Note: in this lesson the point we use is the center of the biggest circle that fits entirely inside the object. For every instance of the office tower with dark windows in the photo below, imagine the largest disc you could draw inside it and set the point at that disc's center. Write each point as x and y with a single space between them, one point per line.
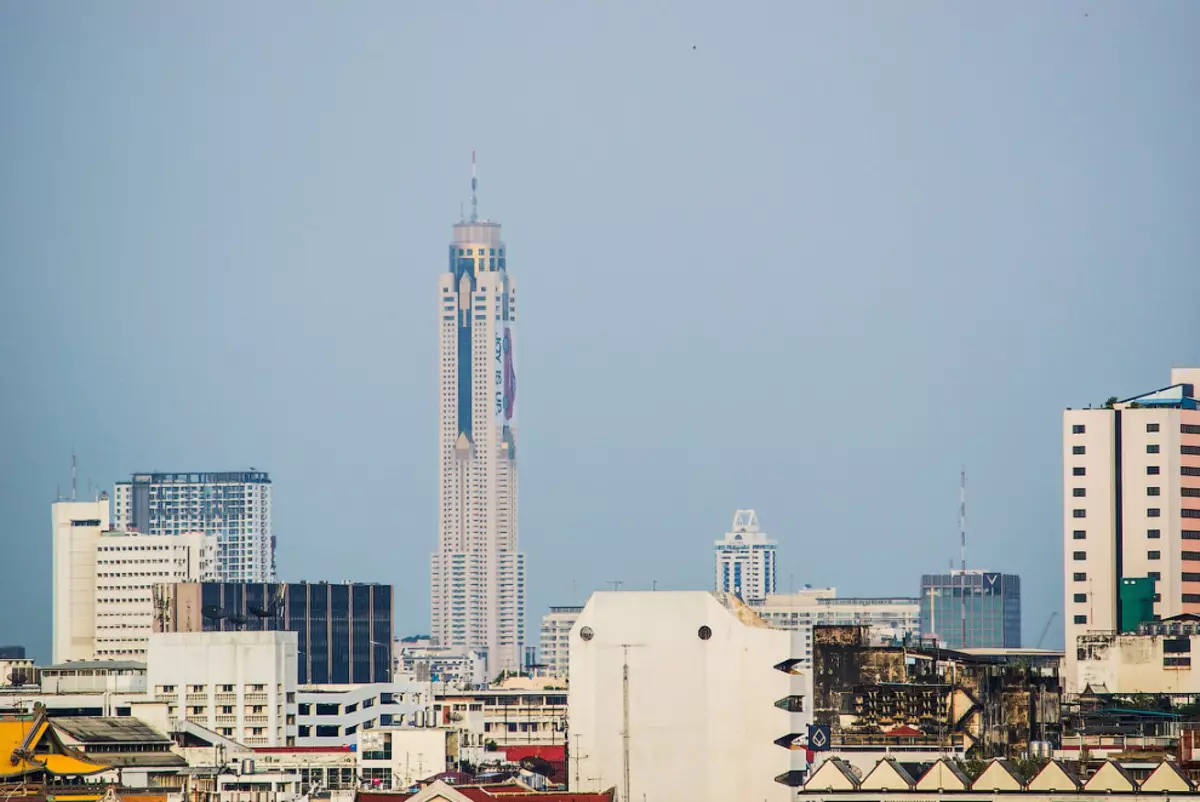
344 630
972 609
234 506
477 573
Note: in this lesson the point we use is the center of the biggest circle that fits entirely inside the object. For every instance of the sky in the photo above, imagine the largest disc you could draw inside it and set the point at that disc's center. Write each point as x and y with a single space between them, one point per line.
810 259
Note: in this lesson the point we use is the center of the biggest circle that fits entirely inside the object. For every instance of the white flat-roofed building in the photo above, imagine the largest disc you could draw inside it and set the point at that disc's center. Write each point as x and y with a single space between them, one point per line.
891 620
241 685
333 715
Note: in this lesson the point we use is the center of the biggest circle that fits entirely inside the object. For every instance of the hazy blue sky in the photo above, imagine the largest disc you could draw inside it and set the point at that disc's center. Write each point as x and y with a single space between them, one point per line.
810 259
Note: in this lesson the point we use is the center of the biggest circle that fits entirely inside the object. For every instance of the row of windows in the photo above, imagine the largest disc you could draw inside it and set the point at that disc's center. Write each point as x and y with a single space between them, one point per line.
1184 428
1151 448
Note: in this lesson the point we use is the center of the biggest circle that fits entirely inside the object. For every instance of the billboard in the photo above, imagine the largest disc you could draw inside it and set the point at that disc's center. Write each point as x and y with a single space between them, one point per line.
506 376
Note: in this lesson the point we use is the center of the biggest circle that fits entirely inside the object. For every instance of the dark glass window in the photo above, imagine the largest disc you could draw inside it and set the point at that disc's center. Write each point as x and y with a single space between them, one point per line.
1152 448
1079 534
327 731
1153 512
1151 427
1081 619
1154 534
1077 471
339 627
1153 555
1153 491
1078 428
1080 597
1078 450
1079 513
1079 555
1152 470
361 659
318 633
1080 577
1079 492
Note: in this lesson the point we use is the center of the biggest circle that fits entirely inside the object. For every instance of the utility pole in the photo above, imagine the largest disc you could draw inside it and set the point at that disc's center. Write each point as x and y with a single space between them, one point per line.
578 757
625 733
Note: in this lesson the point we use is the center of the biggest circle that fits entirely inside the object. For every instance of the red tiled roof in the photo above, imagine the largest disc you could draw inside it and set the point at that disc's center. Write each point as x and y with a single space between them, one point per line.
552 752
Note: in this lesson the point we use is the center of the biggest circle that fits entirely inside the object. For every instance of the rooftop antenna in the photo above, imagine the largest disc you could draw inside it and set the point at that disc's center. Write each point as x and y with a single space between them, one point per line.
73 467
962 553
474 200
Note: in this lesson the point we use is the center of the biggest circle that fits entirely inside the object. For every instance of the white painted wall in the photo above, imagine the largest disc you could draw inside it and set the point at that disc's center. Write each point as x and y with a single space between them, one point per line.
73 578
239 684
688 697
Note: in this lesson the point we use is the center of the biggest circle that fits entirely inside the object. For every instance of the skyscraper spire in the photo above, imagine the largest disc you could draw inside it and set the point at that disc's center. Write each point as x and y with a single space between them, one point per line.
474 200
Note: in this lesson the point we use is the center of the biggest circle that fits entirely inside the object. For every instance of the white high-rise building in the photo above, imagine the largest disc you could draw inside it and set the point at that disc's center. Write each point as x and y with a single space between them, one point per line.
745 560
556 638
478 575
103 581
234 506
1131 511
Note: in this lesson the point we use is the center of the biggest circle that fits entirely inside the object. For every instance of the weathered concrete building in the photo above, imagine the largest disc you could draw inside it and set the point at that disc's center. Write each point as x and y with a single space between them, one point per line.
922 701
1157 659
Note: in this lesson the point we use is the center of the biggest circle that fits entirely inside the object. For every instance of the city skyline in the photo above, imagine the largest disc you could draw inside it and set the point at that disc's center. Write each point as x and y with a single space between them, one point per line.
782 258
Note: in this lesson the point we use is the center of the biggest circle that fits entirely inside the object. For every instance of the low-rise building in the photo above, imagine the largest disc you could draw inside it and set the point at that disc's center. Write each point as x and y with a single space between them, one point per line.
139 755
241 685
504 716
889 619
333 715
398 758
449 666
685 695
1157 659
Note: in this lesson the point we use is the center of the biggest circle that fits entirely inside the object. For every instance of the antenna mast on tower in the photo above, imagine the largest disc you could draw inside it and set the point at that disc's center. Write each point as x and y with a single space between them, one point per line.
474 200
962 553
73 466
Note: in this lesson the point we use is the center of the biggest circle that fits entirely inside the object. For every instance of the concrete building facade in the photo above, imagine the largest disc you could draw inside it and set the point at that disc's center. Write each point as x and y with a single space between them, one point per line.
241 685
1131 508
478 573
556 639
103 581
685 695
234 506
332 715
745 560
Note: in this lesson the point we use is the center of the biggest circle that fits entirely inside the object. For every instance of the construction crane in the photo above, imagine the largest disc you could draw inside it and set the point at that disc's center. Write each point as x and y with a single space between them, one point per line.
1046 628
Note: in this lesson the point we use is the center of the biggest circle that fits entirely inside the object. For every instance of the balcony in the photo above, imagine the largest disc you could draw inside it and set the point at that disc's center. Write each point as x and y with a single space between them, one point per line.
256 697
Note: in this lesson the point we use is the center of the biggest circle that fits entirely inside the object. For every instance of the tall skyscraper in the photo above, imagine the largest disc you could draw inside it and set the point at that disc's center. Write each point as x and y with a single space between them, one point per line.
972 609
745 560
234 506
1131 509
478 576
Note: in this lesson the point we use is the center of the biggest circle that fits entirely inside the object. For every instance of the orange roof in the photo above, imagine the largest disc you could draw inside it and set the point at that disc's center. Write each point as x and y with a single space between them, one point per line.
15 732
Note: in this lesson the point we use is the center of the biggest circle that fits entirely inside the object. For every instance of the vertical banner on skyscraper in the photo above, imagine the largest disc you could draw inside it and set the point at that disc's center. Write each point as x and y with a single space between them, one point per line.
506 376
